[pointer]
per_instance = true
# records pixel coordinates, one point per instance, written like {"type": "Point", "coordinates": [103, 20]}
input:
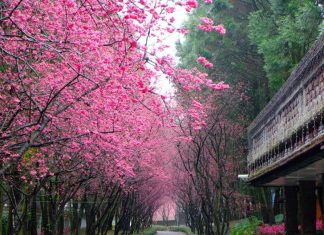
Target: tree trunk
{"type": "Point", "coordinates": [45, 216]}
{"type": "Point", "coordinates": [1, 210]}
{"type": "Point", "coordinates": [32, 225]}
{"type": "Point", "coordinates": [25, 218]}
{"type": "Point", "coordinates": [10, 220]}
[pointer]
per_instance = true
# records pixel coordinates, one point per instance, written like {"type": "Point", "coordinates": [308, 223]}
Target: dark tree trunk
{"type": "Point", "coordinates": [32, 225]}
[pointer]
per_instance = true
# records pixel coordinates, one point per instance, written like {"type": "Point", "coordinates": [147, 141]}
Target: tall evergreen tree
{"type": "Point", "coordinates": [283, 32]}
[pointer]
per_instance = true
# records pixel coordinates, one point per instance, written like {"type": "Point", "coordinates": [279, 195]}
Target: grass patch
{"type": "Point", "coordinates": [152, 230]}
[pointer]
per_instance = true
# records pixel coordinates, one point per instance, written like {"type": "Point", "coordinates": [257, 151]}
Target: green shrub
{"type": "Point", "coordinates": [246, 226]}
{"type": "Point", "coordinates": [279, 219]}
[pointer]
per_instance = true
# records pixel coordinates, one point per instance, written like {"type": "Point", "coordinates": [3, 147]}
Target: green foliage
{"type": "Point", "coordinates": [152, 230]}
{"type": "Point", "coordinates": [279, 218]}
{"type": "Point", "coordinates": [283, 31]}
{"type": "Point", "coordinates": [246, 226]}
{"type": "Point", "coordinates": [29, 153]}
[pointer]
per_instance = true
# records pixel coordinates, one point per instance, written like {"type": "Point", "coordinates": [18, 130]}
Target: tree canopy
{"type": "Point", "coordinates": [283, 31]}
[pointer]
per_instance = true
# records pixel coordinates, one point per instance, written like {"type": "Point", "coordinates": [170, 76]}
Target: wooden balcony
{"type": "Point", "coordinates": [292, 124]}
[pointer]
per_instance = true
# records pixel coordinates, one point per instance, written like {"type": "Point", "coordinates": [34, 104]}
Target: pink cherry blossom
{"type": "Point", "coordinates": [170, 9]}
{"type": "Point", "coordinates": [220, 29]}
{"type": "Point", "coordinates": [183, 31]}
{"type": "Point", "coordinates": [206, 24]}
{"type": "Point", "coordinates": [191, 4]}
{"type": "Point", "coordinates": [204, 62]}
{"type": "Point", "coordinates": [78, 101]}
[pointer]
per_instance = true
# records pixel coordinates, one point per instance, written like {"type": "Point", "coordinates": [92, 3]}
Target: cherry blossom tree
{"type": "Point", "coordinates": [207, 165]}
{"type": "Point", "coordinates": [80, 120]}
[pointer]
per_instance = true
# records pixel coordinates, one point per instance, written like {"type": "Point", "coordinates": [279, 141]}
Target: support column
{"type": "Point", "coordinates": [291, 210]}
{"type": "Point", "coordinates": [307, 205]}
{"type": "Point", "coordinates": [322, 202]}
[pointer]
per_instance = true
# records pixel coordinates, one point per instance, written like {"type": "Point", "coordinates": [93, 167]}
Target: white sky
{"type": "Point", "coordinates": [180, 16]}
{"type": "Point", "coordinates": [164, 87]}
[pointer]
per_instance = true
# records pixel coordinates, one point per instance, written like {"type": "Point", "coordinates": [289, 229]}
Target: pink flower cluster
{"type": "Point", "coordinates": [207, 25]}
{"type": "Point", "coordinates": [217, 86]}
{"type": "Point", "coordinates": [197, 114]}
{"type": "Point", "coordinates": [208, 1]}
{"type": "Point", "coordinates": [220, 29]}
{"type": "Point", "coordinates": [183, 31]}
{"type": "Point", "coordinates": [204, 62]}
{"type": "Point", "coordinates": [319, 225]}
{"type": "Point", "coordinates": [191, 4]}
{"type": "Point", "coordinates": [277, 229]}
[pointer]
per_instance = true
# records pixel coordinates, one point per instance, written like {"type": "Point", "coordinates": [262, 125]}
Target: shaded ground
{"type": "Point", "coordinates": [169, 233]}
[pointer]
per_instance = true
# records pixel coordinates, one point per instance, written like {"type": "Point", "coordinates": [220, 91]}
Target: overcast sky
{"type": "Point", "coordinates": [163, 85]}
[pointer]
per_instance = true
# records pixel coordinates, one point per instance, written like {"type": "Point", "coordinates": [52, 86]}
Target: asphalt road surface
{"type": "Point", "coordinates": [169, 233]}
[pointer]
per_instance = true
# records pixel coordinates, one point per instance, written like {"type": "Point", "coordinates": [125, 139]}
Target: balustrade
{"type": "Point", "coordinates": [268, 148]}
{"type": "Point", "coordinates": [310, 130]}
{"type": "Point", "coordinates": [294, 118]}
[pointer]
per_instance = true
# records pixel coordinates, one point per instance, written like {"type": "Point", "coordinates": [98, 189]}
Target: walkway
{"type": "Point", "coordinates": [169, 233]}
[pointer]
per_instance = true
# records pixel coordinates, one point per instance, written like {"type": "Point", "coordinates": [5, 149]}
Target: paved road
{"type": "Point", "coordinates": [169, 233]}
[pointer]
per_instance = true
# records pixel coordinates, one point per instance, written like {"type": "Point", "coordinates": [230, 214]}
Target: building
{"type": "Point", "coordinates": [286, 142]}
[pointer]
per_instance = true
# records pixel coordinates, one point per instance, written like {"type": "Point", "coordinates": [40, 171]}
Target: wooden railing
{"type": "Point", "coordinates": [294, 117]}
